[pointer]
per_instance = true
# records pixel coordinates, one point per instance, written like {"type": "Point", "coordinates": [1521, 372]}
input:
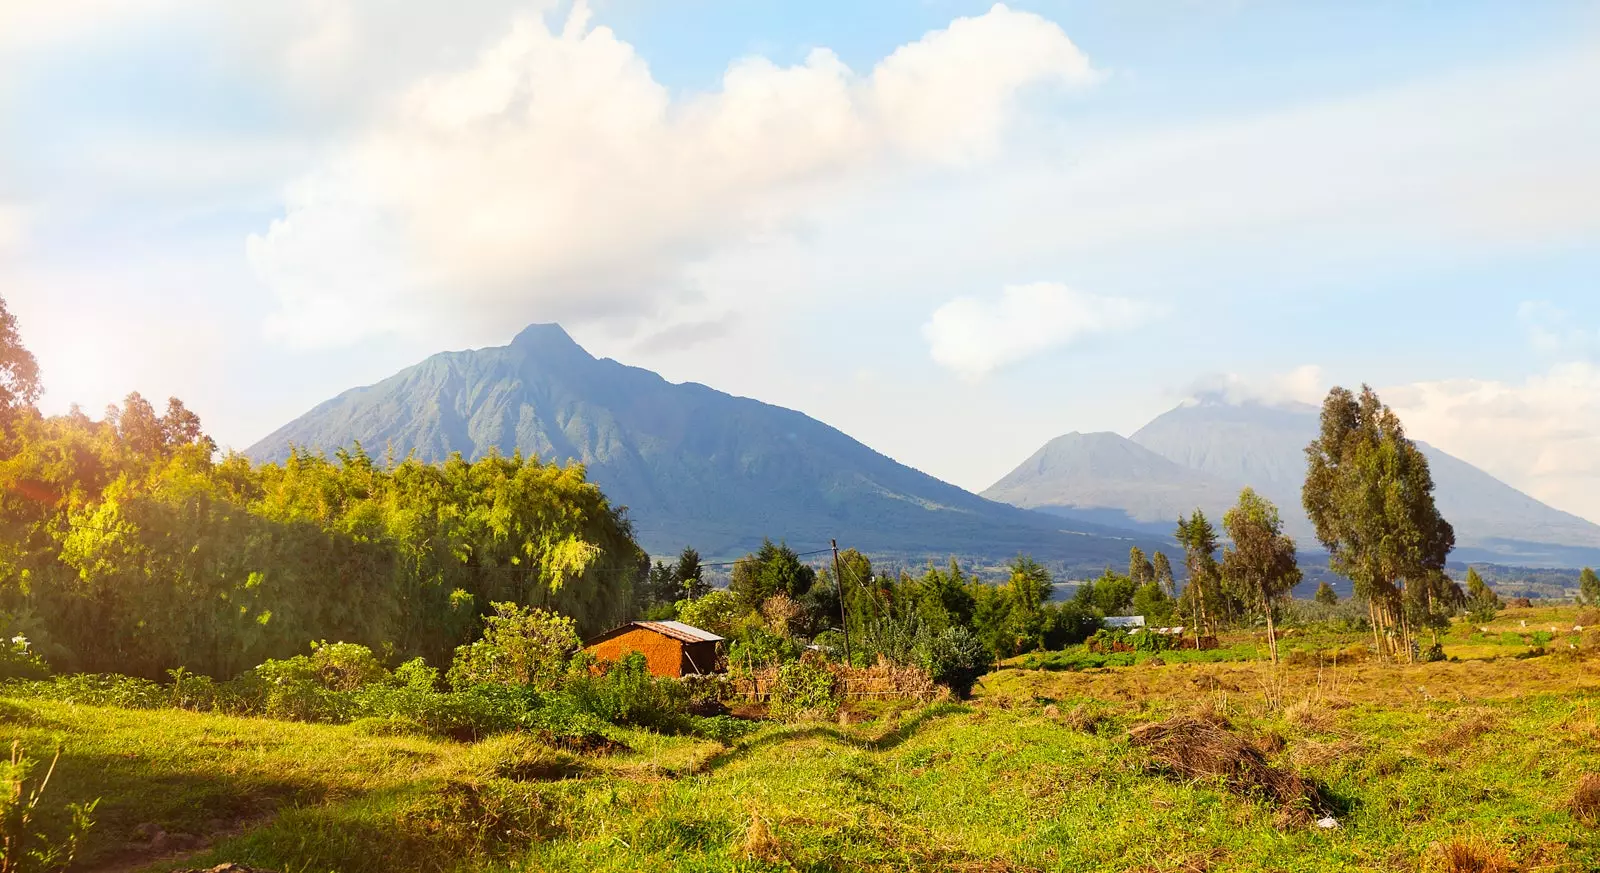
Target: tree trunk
{"type": "Point", "coordinates": [1272, 633]}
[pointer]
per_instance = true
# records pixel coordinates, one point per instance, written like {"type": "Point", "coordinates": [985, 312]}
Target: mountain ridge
{"type": "Point", "coordinates": [693, 465]}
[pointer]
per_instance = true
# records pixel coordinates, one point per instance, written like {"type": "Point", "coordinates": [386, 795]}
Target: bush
{"type": "Point", "coordinates": [805, 689]}
{"type": "Point", "coordinates": [345, 666]}
{"type": "Point", "coordinates": [626, 693]}
{"type": "Point", "coordinates": [520, 646]}
{"type": "Point", "coordinates": [955, 659]}
{"type": "Point", "coordinates": [19, 661]}
{"type": "Point", "coordinates": [32, 846]}
{"type": "Point", "coordinates": [717, 612]}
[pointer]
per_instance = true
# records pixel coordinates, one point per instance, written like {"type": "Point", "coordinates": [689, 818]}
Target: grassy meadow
{"type": "Point", "coordinates": [1467, 764]}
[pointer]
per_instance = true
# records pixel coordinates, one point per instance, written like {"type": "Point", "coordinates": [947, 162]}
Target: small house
{"type": "Point", "coordinates": [670, 648]}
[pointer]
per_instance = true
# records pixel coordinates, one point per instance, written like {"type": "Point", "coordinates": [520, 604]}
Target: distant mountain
{"type": "Point", "coordinates": [1108, 479]}
{"type": "Point", "coordinates": [693, 465]}
{"type": "Point", "coordinates": [1222, 447]}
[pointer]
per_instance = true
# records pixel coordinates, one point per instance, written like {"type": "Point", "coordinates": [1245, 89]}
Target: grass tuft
{"type": "Point", "coordinates": [1586, 799]}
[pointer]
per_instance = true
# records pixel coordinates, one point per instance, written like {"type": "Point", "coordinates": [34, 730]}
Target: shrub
{"type": "Point", "coordinates": [19, 661]}
{"type": "Point", "coordinates": [757, 647]}
{"type": "Point", "coordinates": [805, 689]}
{"type": "Point", "coordinates": [717, 612]}
{"type": "Point", "coordinates": [626, 693]}
{"type": "Point", "coordinates": [345, 666]}
{"type": "Point", "coordinates": [520, 646]}
{"type": "Point", "coordinates": [32, 846]}
{"type": "Point", "coordinates": [955, 659]}
{"type": "Point", "coordinates": [721, 728]}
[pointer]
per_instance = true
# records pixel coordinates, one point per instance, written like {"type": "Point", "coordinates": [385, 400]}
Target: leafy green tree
{"type": "Point", "coordinates": [1152, 602]}
{"type": "Point", "coordinates": [1262, 558]}
{"type": "Point", "coordinates": [773, 569]}
{"type": "Point", "coordinates": [1140, 568]}
{"type": "Point", "coordinates": [1111, 594]}
{"type": "Point", "coordinates": [1482, 603]}
{"type": "Point", "coordinates": [520, 646]}
{"type": "Point", "coordinates": [19, 372]}
{"type": "Point", "coordinates": [1163, 571]}
{"type": "Point", "coordinates": [690, 574]}
{"type": "Point", "coordinates": [1203, 591]}
{"type": "Point", "coordinates": [1325, 594]}
{"type": "Point", "coordinates": [1369, 494]}
{"type": "Point", "coordinates": [718, 611]}
{"type": "Point", "coordinates": [1588, 587]}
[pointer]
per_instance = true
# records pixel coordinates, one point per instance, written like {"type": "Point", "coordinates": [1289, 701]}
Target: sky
{"type": "Point", "coordinates": [953, 230]}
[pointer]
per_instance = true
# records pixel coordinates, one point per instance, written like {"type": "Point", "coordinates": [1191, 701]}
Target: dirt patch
{"type": "Point", "coordinates": [1195, 748]}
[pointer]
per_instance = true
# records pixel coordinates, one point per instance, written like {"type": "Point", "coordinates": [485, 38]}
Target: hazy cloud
{"type": "Point", "coordinates": [553, 177]}
{"type": "Point", "coordinates": [1304, 384]}
{"type": "Point", "coordinates": [974, 337]}
{"type": "Point", "coordinates": [1541, 434]}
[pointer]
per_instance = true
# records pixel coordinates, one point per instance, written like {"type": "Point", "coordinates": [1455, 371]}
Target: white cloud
{"type": "Point", "coordinates": [553, 177]}
{"type": "Point", "coordinates": [1541, 435]}
{"type": "Point", "coordinates": [975, 337]}
{"type": "Point", "coordinates": [1306, 383]}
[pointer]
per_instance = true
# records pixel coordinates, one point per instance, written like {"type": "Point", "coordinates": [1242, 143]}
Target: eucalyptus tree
{"type": "Point", "coordinates": [1261, 559]}
{"type": "Point", "coordinates": [1199, 540]}
{"type": "Point", "coordinates": [1369, 494]}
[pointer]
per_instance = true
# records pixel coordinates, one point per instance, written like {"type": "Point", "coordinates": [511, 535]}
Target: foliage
{"type": "Point", "coordinates": [1325, 594]}
{"type": "Point", "coordinates": [1261, 559]}
{"type": "Point", "coordinates": [1589, 587]}
{"type": "Point", "coordinates": [773, 569]}
{"type": "Point", "coordinates": [1202, 596]}
{"type": "Point", "coordinates": [132, 547]}
{"type": "Point", "coordinates": [520, 646]}
{"type": "Point", "coordinates": [1369, 494]}
{"type": "Point", "coordinates": [954, 658]}
{"type": "Point", "coordinates": [18, 660]}
{"type": "Point", "coordinates": [27, 845]}
{"type": "Point", "coordinates": [626, 694]}
{"type": "Point", "coordinates": [19, 371]}
{"type": "Point", "coordinates": [715, 611]}
{"type": "Point", "coordinates": [1482, 603]}
{"type": "Point", "coordinates": [754, 647]}
{"type": "Point", "coordinates": [805, 689]}
{"type": "Point", "coordinates": [1111, 594]}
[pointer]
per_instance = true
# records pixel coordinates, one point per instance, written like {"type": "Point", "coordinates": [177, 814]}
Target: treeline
{"type": "Point", "coordinates": [128, 546]}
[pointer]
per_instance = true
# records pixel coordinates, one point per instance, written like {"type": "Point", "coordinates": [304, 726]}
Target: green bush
{"type": "Point", "coordinates": [27, 843]}
{"type": "Point", "coordinates": [805, 689]}
{"type": "Point", "coordinates": [955, 659]}
{"type": "Point", "coordinates": [19, 661]}
{"type": "Point", "coordinates": [627, 694]}
{"type": "Point", "coordinates": [520, 646]}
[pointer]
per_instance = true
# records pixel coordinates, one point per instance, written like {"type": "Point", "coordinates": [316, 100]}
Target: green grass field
{"type": "Point", "coordinates": [1424, 767]}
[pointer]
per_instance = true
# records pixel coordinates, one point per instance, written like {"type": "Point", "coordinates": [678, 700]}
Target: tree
{"type": "Point", "coordinates": [1325, 594]}
{"type": "Point", "coordinates": [520, 646]}
{"type": "Point", "coordinates": [1262, 558]}
{"type": "Point", "coordinates": [1588, 587]}
{"type": "Point", "coordinates": [1369, 495]}
{"type": "Point", "coordinates": [690, 575]}
{"type": "Point", "coordinates": [1140, 569]}
{"type": "Point", "coordinates": [1482, 603]}
{"type": "Point", "coordinates": [716, 611]}
{"type": "Point", "coordinates": [771, 570]}
{"type": "Point", "coordinates": [1111, 594]}
{"type": "Point", "coordinates": [1152, 602]}
{"type": "Point", "coordinates": [19, 372]}
{"type": "Point", "coordinates": [1163, 570]}
{"type": "Point", "coordinates": [1199, 541]}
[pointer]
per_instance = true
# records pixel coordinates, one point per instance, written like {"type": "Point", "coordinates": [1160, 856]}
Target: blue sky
{"type": "Point", "coordinates": [950, 229]}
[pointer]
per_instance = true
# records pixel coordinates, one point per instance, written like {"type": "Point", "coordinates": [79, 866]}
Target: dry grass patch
{"type": "Point", "coordinates": [1467, 728]}
{"type": "Point", "coordinates": [1468, 856]}
{"type": "Point", "coordinates": [1585, 804]}
{"type": "Point", "coordinates": [1308, 715]}
{"type": "Point", "coordinates": [1197, 748]}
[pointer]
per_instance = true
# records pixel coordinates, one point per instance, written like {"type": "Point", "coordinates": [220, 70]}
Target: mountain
{"type": "Point", "coordinates": [1222, 447]}
{"type": "Point", "coordinates": [1108, 479]}
{"type": "Point", "coordinates": [693, 465]}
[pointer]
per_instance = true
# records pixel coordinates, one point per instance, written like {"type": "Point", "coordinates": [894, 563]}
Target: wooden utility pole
{"type": "Point", "coordinates": [838, 585]}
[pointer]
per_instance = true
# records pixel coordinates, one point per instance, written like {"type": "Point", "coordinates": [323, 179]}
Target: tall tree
{"type": "Point", "coordinates": [1482, 603]}
{"type": "Point", "coordinates": [19, 372]}
{"type": "Point", "coordinates": [1369, 494]}
{"type": "Point", "coordinates": [1589, 587]}
{"type": "Point", "coordinates": [1199, 541]}
{"type": "Point", "coordinates": [690, 575]}
{"type": "Point", "coordinates": [1163, 570]}
{"type": "Point", "coordinates": [1261, 559]}
{"type": "Point", "coordinates": [1325, 594]}
{"type": "Point", "coordinates": [1140, 570]}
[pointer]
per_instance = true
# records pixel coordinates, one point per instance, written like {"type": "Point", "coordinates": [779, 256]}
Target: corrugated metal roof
{"type": "Point", "coordinates": [680, 631]}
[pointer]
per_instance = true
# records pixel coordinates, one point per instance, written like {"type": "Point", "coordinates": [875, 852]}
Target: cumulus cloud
{"type": "Point", "coordinates": [553, 177]}
{"type": "Point", "coordinates": [974, 337]}
{"type": "Point", "coordinates": [1304, 384]}
{"type": "Point", "coordinates": [1541, 434]}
